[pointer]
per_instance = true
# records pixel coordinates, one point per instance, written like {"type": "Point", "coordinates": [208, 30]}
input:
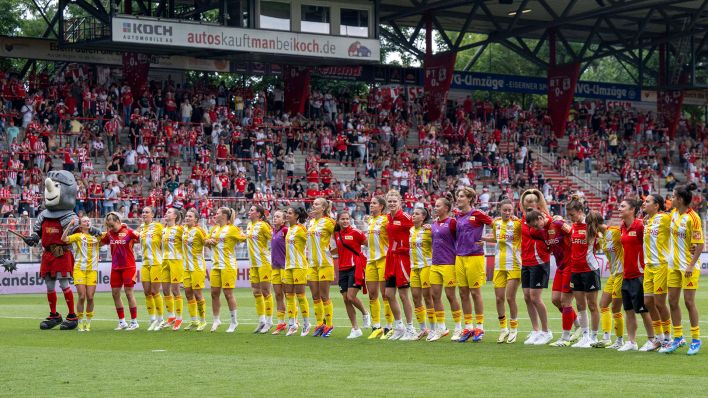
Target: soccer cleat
{"type": "Point", "coordinates": [584, 342]}
{"type": "Point", "coordinates": [616, 345]}
{"type": "Point", "coordinates": [133, 325]}
{"type": "Point", "coordinates": [543, 338]}
{"type": "Point", "coordinates": [628, 346]}
{"type": "Point", "coordinates": [465, 335]}
{"type": "Point", "coordinates": [444, 332]}
{"type": "Point", "coordinates": [232, 327]}
{"type": "Point", "coordinates": [375, 333]}
{"type": "Point", "coordinates": [682, 342]}
{"type": "Point", "coordinates": [319, 329]}
{"type": "Point", "coordinates": [602, 343]}
{"type": "Point", "coordinates": [327, 331]}
{"type": "Point", "coordinates": [177, 324]}
{"type": "Point", "coordinates": [81, 326]}
{"type": "Point", "coordinates": [503, 335]}
{"type": "Point", "coordinates": [409, 335]}
{"type": "Point", "coordinates": [513, 333]}
{"type": "Point", "coordinates": [367, 321]}
{"type": "Point", "coordinates": [650, 346]}
{"type": "Point", "coordinates": [215, 325]}
{"type": "Point", "coordinates": [171, 320]}
{"type": "Point", "coordinates": [259, 327]}
{"type": "Point", "coordinates": [434, 335]}
{"type": "Point", "coordinates": [162, 325]}
{"type": "Point", "coordinates": [422, 333]}
{"type": "Point", "coordinates": [355, 334]}
{"type": "Point", "coordinates": [305, 330]}
{"type": "Point", "coordinates": [530, 338]}
{"type": "Point", "coordinates": [70, 323]}
{"type": "Point", "coordinates": [122, 326]}
{"type": "Point", "coordinates": [387, 334]}
{"type": "Point", "coordinates": [154, 325]}
{"type": "Point", "coordinates": [694, 347]}
{"type": "Point", "coordinates": [279, 328]}
{"type": "Point", "coordinates": [292, 329]}
{"type": "Point", "coordinates": [50, 322]}
{"type": "Point", "coordinates": [560, 343]}
{"type": "Point", "coordinates": [671, 347]}
{"type": "Point", "coordinates": [577, 334]}
{"type": "Point", "coordinates": [202, 326]}
{"type": "Point", "coordinates": [266, 327]}
{"type": "Point", "coordinates": [87, 327]}
{"type": "Point", "coordinates": [191, 325]}
{"type": "Point", "coordinates": [477, 335]}
{"type": "Point", "coordinates": [397, 334]}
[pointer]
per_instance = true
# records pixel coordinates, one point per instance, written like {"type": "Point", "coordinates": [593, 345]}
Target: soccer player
{"type": "Point", "coordinates": [535, 267]}
{"type": "Point", "coordinates": [442, 272]}
{"type": "Point", "coordinates": [121, 239]}
{"type": "Point", "coordinates": [85, 268]}
{"type": "Point", "coordinates": [277, 261]}
{"type": "Point", "coordinates": [193, 240]}
{"type": "Point", "coordinates": [421, 252]}
{"type": "Point", "coordinates": [321, 271]}
{"type": "Point", "coordinates": [352, 263]}
{"type": "Point", "coordinates": [611, 242]}
{"type": "Point", "coordinates": [150, 232]}
{"type": "Point", "coordinates": [585, 280]}
{"type": "Point", "coordinates": [506, 233]}
{"type": "Point", "coordinates": [687, 245]}
{"type": "Point", "coordinates": [470, 271]}
{"type": "Point", "coordinates": [259, 234]}
{"type": "Point", "coordinates": [295, 276]}
{"type": "Point", "coordinates": [378, 247]}
{"type": "Point", "coordinates": [172, 268]}
{"type": "Point", "coordinates": [632, 230]}
{"type": "Point", "coordinates": [657, 234]}
{"type": "Point", "coordinates": [398, 266]}
{"type": "Point", "coordinates": [223, 239]}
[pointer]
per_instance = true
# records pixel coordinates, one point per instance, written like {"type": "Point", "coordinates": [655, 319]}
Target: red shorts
{"type": "Point", "coordinates": [123, 277]}
{"type": "Point", "coordinates": [398, 269]}
{"type": "Point", "coordinates": [561, 281]}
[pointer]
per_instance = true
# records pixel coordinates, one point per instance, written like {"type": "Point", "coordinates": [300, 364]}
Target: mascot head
{"type": "Point", "coordinates": [60, 190]}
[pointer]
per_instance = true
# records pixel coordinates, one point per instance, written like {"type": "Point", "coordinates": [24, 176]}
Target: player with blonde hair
{"type": "Point", "coordinates": [150, 232]}
{"type": "Point", "coordinates": [321, 273]}
{"type": "Point", "coordinates": [172, 267]}
{"type": "Point", "coordinates": [85, 248]}
{"type": "Point", "coordinates": [194, 270]}
{"type": "Point", "coordinates": [259, 234]}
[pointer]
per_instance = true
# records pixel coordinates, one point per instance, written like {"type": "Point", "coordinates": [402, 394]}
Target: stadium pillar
{"type": "Point", "coordinates": [561, 87]}
{"type": "Point", "coordinates": [669, 99]}
{"type": "Point", "coordinates": [428, 35]}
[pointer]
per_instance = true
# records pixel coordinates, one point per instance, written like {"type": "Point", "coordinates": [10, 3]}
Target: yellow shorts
{"type": "Point", "coordinates": [194, 279]}
{"type": "Point", "coordinates": [420, 277]}
{"type": "Point", "coordinates": [375, 270]}
{"type": "Point", "coordinates": [470, 271]}
{"type": "Point", "coordinates": [655, 279]}
{"type": "Point", "coordinates": [443, 275]}
{"type": "Point", "coordinates": [276, 276]}
{"type": "Point", "coordinates": [172, 271]}
{"type": "Point", "coordinates": [295, 276]}
{"type": "Point", "coordinates": [88, 278]}
{"type": "Point", "coordinates": [501, 278]}
{"type": "Point", "coordinates": [320, 274]}
{"type": "Point", "coordinates": [677, 278]}
{"type": "Point", "coordinates": [260, 274]}
{"type": "Point", "coordinates": [225, 278]}
{"type": "Point", "coordinates": [613, 286]}
{"type": "Point", "coordinates": [151, 273]}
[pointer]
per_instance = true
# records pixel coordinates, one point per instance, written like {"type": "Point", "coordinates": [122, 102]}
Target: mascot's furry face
{"type": "Point", "coordinates": [60, 190]}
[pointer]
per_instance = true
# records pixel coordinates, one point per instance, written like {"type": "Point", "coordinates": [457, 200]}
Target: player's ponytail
{"type": "Point", "coordinates": [685, 193]}
{"type": "Point", "coordinates": [659, 200]}
{"type": "Point", "coordinates": [633, 204]}
{"type": "Point", "coordinates": [593, 220]}
{"type": "Point", "coordinates": [301, 214]}
{"type": "Point", "coordinates": [576, 203]}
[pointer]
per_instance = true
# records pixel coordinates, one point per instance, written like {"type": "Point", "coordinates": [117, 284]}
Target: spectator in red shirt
{"type": "Point", "coordinates": [326, 176]}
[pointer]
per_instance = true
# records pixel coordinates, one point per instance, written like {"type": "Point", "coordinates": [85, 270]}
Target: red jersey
{"type": "Point", "coordinates": [633, 243]}
{"type": "Point", "coordinates": [398, 229]}
{"type": "Point", "coordinates": [353, 239]}
{"type": "Point", "coordinates": [534, 250]}
{"type": "Point", "coordinates": [582, 252]}
{"type": "Point", "coordinates": [121, 243]}
{"type": "Point", "coordinates": [558, 241]}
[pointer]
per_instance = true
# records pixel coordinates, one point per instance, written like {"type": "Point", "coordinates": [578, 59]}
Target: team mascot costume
{"type": "Point", "coordinates": [57, 260]}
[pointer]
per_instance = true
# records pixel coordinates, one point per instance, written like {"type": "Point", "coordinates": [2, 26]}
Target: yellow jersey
{"type": "Point", "coordinates": [172, 242]}
{"type": "Point", "coordinates": [151, 243]}
{"type": "Point", "coordinates": [259, 235]}
{"type": "Point", "coordinates": [193, 241]}
{"type": "Point", "coordinates": [295, 242]}
{"type": "Point", "coordinates": [85, 251]}
{"type": "Point", "coordinates": [686, 231]}
{"type": "Point", "coordinates": [377, 237]}
{"type": "Point", "coordinates": [319, 235]}
{"type": "Point", "coordinates": [611, 243]}
{"type": "Point", "coordinates": [508, 248]}
{"type": "Point", "coordinates": [421, 247]}
{"type": "Point", "coordinates": [226, 238]}
{"type": "Point", "coordinates": [657, 230]}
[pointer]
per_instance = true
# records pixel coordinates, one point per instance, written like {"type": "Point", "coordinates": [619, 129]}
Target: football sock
{"type": "Point", "coordinates": [375, 311]}
{"type": "Point", "coordinates": [619, 324]}
{"type": "Point", "coordinates": [678, 331]}
{"type": "Point", "coordinates": [479, 319]}
{"type": "Point", "coordinates": [178, 306]}
{"type": "Point", "coordinates": [567, 318]}
{"type": "Point", "coordinates": [69, 298]}
{"type": "Point", "coordinates": [260, 305]}
{"type": "Point", "coordinates": [304, 307]}
{"type": "Point", "coordinates": [150, 305]}
{"type": "Point", "coordinates": [430, 312]}
{"type": "Point", "coordinates": [666, 327]}
{"type": "Point", "coordinates": [328, 312]}
{"type": "Point", "coordinates": [319, 310]}
{"type": "Point", "coordinates": [420, 316]}
{"type": "Point", "coordinates": [121, 314]}
{"type": "Point", "coordinates": [192, 308]}
{"type": "Point", "coordinates": [388, 315]}
{"type": "Point", "coordinates": [80, 315]}
{"type": "Point", "coordinates": [170, 305]}
{"type": "Point", "coordinates": [290, 305]}
{"type": "Point", "coordinates": [52, 299]}
{"type": "Point", "coordinates": [502, 322]}
{"type": "Point", "coordinates": [468, 321]}
{"type": "Point", "coordinates": [133, 313]}
{"type": "Point", "coordinates": [513, 323]}
{"type": "Point", "coordinates": [696, 332]}
{"type": "Point", "coordinates": [201, 309]}
{"type": "Point", "coordinates": [457, 318]}
{"type": "Point", "coordinates": [658, 330]}
{"type": "Point", "coordinates": [159, 305]}
{"type": "Point", "coordinates": [268, 300]}
{"type": "Point", "coordinates": [234, 316]}
{"type": "Point", "coordinates": [606, 320]}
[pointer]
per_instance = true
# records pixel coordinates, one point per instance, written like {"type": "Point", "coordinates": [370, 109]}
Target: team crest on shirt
{"type": "Point", "coordinates": [551, 232]}
{"type": "Point", "coordinates": [632, 233]}
{"type": "Point", "coordinates": [348, 237]}
{"type": "Point", "coordinates": [696, 235]}
{"type": "Point", "coordinates": [472, 218]}
{"type": "Point", "coordinates": [396, 222]}
{"type": "Point", "coordinates": [581, 232]}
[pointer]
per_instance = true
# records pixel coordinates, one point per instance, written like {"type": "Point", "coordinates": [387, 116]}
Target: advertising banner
{"type": "Point", "coordinates": [148, 31]}
{"type": "Point", "coordinates": [561, 87]}
{"type": "Point", "coordinates": [297, 89]}
{"type": "Point", "coordinates": [438, 72]}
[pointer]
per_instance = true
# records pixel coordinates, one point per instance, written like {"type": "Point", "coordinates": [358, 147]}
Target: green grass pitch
{"type": "Point", "coordinates": [166, 363]}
